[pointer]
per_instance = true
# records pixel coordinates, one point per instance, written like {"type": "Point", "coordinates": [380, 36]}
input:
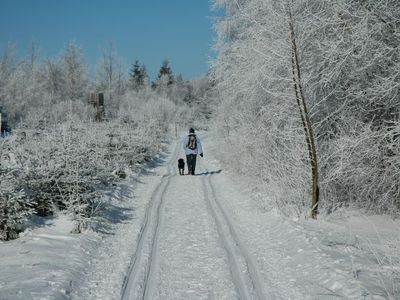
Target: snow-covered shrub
{"type": "Point", "coordinates": [14, 210]}
{"type": "Point", "coordinates": [363, 170]}
{"type": "Point", "coordinates": [63, 159]}
{"type": "Point", "coordinates": [15, 207]}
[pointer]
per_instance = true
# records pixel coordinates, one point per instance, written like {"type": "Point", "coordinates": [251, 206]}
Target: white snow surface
{"type": "Point", "coordinates": [165, 236]}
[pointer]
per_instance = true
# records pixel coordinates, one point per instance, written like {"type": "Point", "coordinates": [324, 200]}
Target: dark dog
{"type": "Point", "coordinates": [181, 166]}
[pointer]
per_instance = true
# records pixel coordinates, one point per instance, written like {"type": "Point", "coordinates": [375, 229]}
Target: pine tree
{"type": "Point", "coordinates": [15, 208]}
{"type": "Point", "coordinates": [166, 72]}
{"type": "Point", "coordinates": [144, 75]}
{"type": "Point", "coordinates": [138, 76]}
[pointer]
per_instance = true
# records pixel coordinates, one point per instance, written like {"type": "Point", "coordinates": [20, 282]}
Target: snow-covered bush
{"type": "Point", "coordinates": [63, 159]}
{"type": "Point", "coordinates": [364, 168]}
{"type": "Point", "coordinates": [15, 207]}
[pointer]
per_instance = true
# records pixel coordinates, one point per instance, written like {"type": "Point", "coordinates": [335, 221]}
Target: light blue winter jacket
{"type": "Point", "coordinates": [188, 151]}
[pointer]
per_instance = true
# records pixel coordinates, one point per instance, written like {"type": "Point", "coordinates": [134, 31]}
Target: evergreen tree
{"type": "Point", "coordinates": [15, 207]}
{"type": "Point", "coordinates": [166, 72]}
{"type": "Point", "coordinates": [138, 76]}
{"type": "Point", "coordinates": [144, 75]}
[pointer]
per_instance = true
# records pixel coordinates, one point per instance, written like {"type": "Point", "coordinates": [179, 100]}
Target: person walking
{"type": "Point", "coordinates": [192, 147]}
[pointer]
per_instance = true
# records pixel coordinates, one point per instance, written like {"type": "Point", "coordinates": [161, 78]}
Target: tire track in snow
{"type": "Point", "coordinates": [139, 281]}
{"type": "Point", "coordinates": [248, 283]}
{"type": "Point", "coordinates": [150, 281]}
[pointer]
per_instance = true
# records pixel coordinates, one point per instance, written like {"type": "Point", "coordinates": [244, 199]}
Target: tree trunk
{"type": "Point", "coordinates": [305, 119]}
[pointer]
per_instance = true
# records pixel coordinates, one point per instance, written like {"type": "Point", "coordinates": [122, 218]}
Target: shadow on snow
{"type": "Point", "coordinates": [209, 173]}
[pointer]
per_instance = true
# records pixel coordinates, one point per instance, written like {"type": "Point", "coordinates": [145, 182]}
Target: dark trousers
{"type": "Point", "coordinates": [191, 163]}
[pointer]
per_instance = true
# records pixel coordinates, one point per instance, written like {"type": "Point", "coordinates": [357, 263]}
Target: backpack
{"type": "Point", "coordinates": [192, 143]}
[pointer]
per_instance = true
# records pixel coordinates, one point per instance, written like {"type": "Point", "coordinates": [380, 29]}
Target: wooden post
{"type": "Point", "coordinates": [92, 98]}
{"type": "Point", "coordinates": [97, 100]}
{"type": "Point", "coordinates": [101, 99]}
{"type": "Point", "coordinates": [100, 107]}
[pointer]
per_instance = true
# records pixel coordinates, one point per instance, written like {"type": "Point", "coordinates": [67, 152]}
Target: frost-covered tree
{"type": "Point", "coordinates": [253, 78]}
{"type": "Point", "coordinates": [7, 69]}
{"type": "Point", "coordinates": [15, 207]}
{"type": "Point", "coordinates": [348, 67]}
{"type": "Point", "coordinates": [166, 71]}
{"type": "Point", "coordinates": [7, 64]}
{"type": "Point", "coordinates": [110, 79]}
{"type": "Point", "coordinates": [352, 69]}
{"type": "Point", "coordinates": [24, 88]}
{"type": "Point", "coordinates": [138, 77]}
{"type": "Point", "coordinates": [109, 75]}
{"type": "Point", "coordinates": [75, 72]}
{"type": "Point", "coordinates": [165, 78]}
{"type": "Point", "coordinates": [54, 79]}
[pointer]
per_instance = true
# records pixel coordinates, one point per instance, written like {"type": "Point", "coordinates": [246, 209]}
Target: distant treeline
{"type": "Point", "coordinates": [34, 81]}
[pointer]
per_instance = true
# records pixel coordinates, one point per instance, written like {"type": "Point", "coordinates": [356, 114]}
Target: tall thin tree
{"type": "Point", "coordinates": [305, 116]}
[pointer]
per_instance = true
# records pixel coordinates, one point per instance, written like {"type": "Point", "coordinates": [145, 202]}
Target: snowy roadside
{"type": "Point", "coordinates": [110, 263]}
{"type": "Point", "coordinates": [344, 255]}
{"type": "Point", "coordinates": [50, 262]}
{"type": "Point", "coordinates": [44, 262]}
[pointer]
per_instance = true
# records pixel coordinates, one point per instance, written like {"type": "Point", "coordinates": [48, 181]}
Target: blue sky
{"type": "Point", "coordinates": [149, 30]}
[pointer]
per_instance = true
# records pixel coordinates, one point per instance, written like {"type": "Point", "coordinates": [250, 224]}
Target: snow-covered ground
{"type": "Point", "coordinates": [44, 262]}
{"type": "Point", "coordinates": [166, 236]}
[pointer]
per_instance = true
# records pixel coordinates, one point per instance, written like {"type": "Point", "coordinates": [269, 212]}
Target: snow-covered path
{"type": "Point", "coordinates": [184, 244]}
{"type": "Point", "coordinates": [204, 237]}
{"type": "Point", "coordinates": [183, 257]}
{"type": "Point", "coordinates": [187, 246]}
